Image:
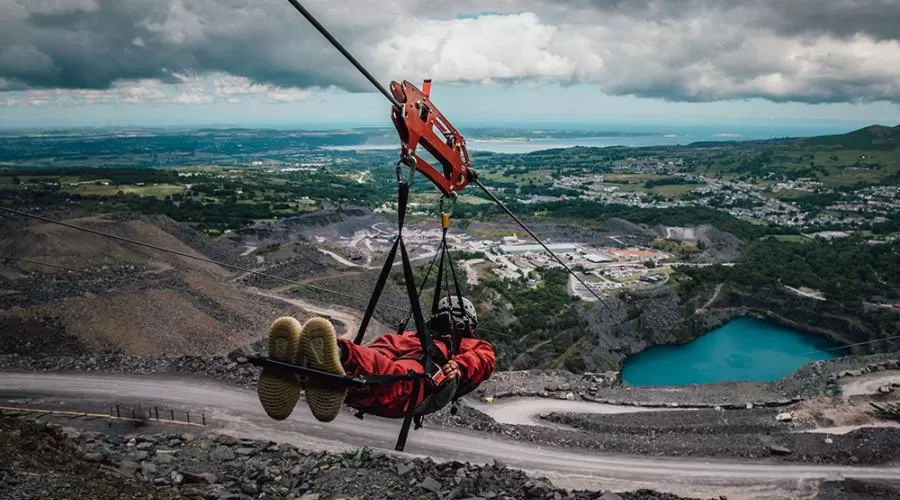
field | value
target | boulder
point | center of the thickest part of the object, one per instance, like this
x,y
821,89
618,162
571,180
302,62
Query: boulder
x,y
431,484
148,469
199,477
537,489
94,457
403,469
776,449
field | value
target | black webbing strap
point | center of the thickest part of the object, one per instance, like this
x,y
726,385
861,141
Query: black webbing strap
x,y
402,326
440,275
410,414
421,328
402,202
379,287
457,335
383,379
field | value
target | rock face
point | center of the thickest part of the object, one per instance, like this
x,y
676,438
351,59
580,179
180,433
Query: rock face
x,y
198,469
660,316
653,317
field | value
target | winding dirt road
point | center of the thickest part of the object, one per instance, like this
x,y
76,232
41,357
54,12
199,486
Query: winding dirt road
x,y
527,411
348,317
237,412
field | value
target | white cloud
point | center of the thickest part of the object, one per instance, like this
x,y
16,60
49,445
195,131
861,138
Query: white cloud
x,y
287,95
189,90
486,48
227,85
695,59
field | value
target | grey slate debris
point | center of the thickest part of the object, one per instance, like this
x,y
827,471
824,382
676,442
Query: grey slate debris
x,y
261,469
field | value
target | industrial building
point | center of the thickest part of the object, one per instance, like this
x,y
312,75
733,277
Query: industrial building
x,y
556,247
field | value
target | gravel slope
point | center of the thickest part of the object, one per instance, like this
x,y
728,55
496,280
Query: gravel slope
x,y
40,461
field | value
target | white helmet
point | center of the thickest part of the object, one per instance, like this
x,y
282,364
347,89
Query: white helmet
x,y
459,315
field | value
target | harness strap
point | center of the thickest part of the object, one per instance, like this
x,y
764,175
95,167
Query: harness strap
x,y
376,294
410,414
421,328
439,276
402,202
457,335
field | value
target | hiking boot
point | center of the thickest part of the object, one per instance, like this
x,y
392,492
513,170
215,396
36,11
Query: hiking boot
x,y
278,393
318,344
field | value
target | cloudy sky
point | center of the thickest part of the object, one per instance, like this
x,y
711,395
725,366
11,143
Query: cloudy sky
x,y
493,61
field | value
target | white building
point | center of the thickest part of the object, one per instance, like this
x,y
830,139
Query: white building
x,y
596,258
556,247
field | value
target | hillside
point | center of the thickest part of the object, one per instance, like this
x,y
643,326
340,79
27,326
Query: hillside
x,y
107,296
871,137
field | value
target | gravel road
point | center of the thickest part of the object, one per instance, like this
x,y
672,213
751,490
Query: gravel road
x,y
237,412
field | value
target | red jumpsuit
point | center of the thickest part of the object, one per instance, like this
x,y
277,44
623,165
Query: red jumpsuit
x,y
396,355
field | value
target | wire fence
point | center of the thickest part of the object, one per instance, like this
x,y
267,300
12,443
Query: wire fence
x,y
139,414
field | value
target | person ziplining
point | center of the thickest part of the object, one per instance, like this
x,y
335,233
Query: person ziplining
x,y
393,354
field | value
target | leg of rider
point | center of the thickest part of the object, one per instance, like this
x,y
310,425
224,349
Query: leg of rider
x,y
387,399
278,394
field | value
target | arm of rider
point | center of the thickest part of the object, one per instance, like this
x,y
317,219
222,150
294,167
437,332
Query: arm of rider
x,y
451,369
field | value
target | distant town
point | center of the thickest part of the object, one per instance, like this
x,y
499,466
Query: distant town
x,y
603,269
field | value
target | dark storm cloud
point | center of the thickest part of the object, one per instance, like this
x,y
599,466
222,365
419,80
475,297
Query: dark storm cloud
x,y
843,18
91,44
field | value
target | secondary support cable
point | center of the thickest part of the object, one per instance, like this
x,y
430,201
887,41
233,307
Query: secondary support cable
x,y
195,257
27,261
531,233
324,31
187,255
855,344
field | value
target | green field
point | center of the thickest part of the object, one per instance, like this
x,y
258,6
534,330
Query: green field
x,y
794,238
158,191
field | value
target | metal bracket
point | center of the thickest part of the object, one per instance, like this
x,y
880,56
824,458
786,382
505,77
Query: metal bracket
x,y
418,121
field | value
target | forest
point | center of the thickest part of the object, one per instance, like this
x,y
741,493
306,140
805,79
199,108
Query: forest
x,y
847,270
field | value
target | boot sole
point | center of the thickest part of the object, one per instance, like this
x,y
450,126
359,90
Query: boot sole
x,y
279,393
319,347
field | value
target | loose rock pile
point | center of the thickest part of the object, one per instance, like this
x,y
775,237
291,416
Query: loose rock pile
x,y
233,368
223,467
39,288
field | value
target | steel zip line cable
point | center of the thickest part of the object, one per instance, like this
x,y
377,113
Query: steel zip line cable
x,y
57,266
203,259
530,233
309,17
312,19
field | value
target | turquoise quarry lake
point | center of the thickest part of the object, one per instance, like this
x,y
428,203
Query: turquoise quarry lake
x,y
744,349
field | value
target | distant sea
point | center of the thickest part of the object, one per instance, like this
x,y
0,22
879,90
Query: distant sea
x,y
654,135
